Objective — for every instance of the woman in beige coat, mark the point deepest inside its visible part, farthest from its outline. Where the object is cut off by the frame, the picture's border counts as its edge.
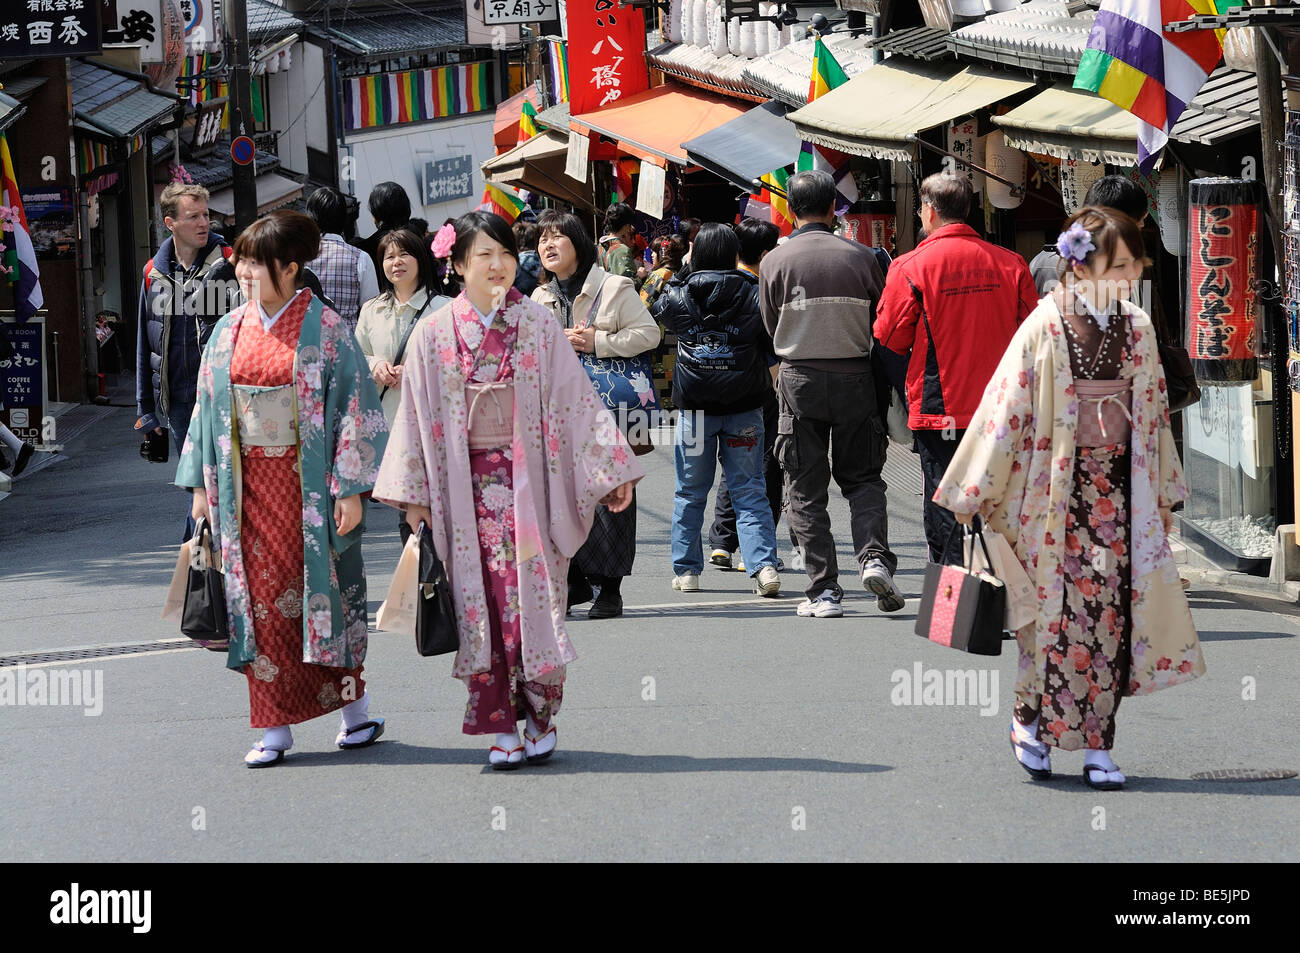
(602, 314)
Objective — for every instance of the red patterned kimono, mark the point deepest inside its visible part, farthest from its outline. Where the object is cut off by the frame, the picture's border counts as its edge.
(500, 696)
(282, 688)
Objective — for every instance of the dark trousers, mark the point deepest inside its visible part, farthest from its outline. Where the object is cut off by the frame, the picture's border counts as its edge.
(722, 534)
(829, 426)
(936, 449)
(178, 422)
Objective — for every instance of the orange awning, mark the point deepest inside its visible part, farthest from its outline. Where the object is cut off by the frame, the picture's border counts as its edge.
(653, 124)
(505, 127)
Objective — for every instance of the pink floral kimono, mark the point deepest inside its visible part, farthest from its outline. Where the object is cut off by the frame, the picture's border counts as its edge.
(507, 521)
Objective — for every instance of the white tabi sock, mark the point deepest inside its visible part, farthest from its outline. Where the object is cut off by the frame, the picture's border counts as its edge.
(1100, 759)
(1028, 735)
(357, 712)
(275, 739)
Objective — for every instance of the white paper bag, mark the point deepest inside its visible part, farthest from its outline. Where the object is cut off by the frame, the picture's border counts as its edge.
(397, 614)
(190, 556)
(1021, 594)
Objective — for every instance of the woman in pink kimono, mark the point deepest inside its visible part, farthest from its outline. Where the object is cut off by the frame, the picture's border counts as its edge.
(1071, 458)
(503, 449)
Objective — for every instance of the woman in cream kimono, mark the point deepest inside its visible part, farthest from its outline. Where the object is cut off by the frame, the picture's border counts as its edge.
(501, 446)
(1070, 457)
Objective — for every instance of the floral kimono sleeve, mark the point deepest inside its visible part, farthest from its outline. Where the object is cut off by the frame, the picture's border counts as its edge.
(360, 429)
(1000, 436)
(403, 476)
(189, 473)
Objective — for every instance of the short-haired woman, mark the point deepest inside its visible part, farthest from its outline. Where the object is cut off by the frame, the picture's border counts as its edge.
(285, 440)
(601, 314)
(501, 447)
(1071, 458)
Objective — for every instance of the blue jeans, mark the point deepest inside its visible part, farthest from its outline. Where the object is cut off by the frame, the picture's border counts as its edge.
(736, 440)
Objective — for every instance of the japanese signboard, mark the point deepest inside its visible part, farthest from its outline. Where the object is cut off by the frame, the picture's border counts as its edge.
(51, 222)
(1222, 272)
(202, 21)
(22, 379)
(606, 54)
(448, 179)
(519, 11)
(43, 28)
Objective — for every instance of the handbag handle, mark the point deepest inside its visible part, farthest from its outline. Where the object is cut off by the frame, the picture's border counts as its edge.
(976, 530)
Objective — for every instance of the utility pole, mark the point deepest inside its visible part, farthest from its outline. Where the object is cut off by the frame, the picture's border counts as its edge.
(241, 116)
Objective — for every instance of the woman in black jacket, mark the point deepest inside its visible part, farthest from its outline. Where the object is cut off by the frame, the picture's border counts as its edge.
(720, 382)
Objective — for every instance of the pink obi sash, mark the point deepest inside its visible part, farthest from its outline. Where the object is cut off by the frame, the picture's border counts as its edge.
(1104, 416)
(491, 414)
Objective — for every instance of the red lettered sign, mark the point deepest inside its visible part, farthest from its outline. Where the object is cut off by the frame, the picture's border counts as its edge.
(606, 54)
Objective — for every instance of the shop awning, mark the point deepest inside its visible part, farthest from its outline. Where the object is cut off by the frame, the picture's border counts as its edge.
(505, 126)
(10, 110)
(538, 165)
(653, 124)
(880, 112)
(1071, 123)
(273, 190)
(748, 147)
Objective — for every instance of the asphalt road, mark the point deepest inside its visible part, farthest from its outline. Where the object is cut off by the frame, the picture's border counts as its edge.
(712, 726)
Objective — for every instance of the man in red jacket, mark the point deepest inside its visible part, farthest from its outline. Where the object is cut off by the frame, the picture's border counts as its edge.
(948, 311)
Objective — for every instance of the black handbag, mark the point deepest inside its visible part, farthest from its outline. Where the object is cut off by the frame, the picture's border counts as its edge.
(435, 614)
(204, 617)
(960, 609)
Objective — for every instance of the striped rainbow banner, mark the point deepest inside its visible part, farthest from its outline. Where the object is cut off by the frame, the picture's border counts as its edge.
(560, 70)
(387, 99)
(91, 155)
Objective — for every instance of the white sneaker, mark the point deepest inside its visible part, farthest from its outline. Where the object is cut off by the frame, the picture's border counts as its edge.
(687, 582)
(768, 582)
(877, 578)
(720, 558)
(825, 606)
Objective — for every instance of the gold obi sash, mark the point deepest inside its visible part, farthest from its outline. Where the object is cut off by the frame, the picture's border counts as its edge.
(1104, 416)
(266, 416)
(491, 414)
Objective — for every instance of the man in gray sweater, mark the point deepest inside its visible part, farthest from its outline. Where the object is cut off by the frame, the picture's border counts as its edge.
(818, 298)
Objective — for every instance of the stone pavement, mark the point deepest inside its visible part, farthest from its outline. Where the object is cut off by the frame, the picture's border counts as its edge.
(711, 725)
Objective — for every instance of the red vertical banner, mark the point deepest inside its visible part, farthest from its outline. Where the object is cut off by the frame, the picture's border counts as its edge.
(606, 54)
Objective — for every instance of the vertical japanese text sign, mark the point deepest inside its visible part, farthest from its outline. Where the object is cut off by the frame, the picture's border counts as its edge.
(606, 53)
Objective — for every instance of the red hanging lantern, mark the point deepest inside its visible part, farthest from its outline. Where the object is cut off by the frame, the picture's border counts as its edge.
(1223, 268)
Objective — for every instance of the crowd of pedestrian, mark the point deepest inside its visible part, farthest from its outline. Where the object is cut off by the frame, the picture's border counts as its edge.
(787, 355)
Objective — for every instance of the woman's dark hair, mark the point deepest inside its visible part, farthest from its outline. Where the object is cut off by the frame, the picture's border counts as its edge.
(617, 217)
(756, 238)
(716, 248)
(1108, 227)
(670, 251)
(418, 225)
(570, 226)
(415, 246)
(688, 228)
(389, 205)
(329, 209)
(468, 227)
(526, 235)
(277, 240)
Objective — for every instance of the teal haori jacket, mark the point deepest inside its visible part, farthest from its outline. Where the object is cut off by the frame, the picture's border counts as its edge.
(341, 438)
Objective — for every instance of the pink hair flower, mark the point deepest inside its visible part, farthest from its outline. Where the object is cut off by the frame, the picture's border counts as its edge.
(443, 242)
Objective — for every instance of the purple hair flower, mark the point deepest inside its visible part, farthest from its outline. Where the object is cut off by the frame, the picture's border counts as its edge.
(1074, 243)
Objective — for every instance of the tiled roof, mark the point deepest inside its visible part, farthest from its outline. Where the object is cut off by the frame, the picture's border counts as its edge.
(110, 103)
(1041, 35)
(10, 110)
(556, 117)
(699, 65)
(418, 28)
(269, 21)
(785, 74)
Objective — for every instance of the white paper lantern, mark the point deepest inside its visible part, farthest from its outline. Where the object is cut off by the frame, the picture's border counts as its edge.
(733, 36)
(773, 31)
(717, 31)
(1077, 177)
(688, 22)
(760, 33)
(672, 21)
(747, 40)
(272, 64)
(700, 23)
(1171, 208)
(1007, 163)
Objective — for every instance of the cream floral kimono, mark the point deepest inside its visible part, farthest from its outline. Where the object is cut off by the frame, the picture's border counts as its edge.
(1015, 467)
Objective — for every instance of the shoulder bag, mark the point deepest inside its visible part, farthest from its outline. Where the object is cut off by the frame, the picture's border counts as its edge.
(435, 614)
(960, 607)
(203, 618)
(624, 384)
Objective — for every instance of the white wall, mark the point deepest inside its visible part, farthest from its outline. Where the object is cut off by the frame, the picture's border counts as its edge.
(397, 154)
(316, 120)
(288, 91)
